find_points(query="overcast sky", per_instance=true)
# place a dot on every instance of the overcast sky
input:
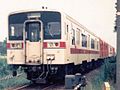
(97, 15)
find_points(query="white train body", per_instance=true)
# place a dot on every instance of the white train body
(64, 52)
(49, 38)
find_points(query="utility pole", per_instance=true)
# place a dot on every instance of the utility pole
(118, 45)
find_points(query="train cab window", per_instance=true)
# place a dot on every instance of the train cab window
(84, 40)
(16, 32)
(51, 21)
(52, 30)
(33, 31)
(92, 43)
(52, 25)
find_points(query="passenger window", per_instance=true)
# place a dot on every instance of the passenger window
(67, 32)
(92, 43)
(73, 37)
(67, 28)
(84, 40)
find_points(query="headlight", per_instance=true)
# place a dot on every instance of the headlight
(14, 45)
(19, 45)
(50, 57)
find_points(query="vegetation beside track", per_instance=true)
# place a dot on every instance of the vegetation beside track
(106, 73)
(5, 70)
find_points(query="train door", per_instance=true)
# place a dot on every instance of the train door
(33, 42)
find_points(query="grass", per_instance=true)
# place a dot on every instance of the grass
(98, 80)
(16, 81)
(4, 67)
(107, 73)
(4, 71)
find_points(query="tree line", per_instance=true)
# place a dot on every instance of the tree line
(3, 49)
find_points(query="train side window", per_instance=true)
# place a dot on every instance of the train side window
(67, 31)
(67, 28)
(84, 40)
(73, 37)
(92, 43)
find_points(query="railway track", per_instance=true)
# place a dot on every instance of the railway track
(57, 86)
(9, 82)
(10, 77)
(19, 87)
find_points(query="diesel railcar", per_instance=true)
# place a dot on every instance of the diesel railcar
(50, 44)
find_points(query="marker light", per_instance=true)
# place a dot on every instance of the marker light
(14, 45)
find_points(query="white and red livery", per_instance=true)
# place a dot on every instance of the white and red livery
(48, 42)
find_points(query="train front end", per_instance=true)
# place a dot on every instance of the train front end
(35, 42)
(25, 40)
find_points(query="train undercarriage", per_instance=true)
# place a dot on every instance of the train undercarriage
(53, 73)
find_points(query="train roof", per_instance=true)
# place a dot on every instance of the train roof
(67, 16)
(33, 10)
